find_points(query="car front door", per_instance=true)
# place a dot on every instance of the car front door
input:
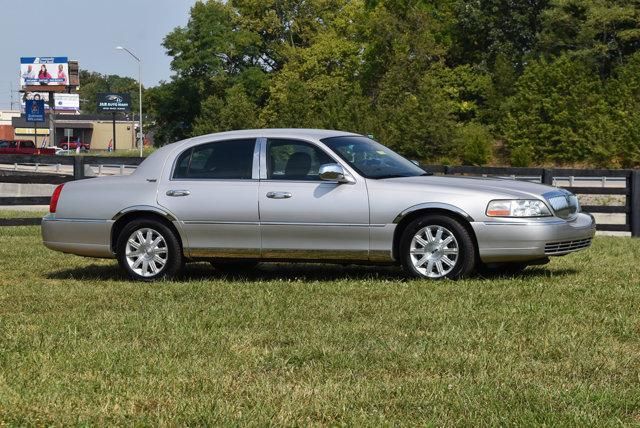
(302, 216)
(213, 191)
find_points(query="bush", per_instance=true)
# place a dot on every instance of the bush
(474, 143)
(521, 156)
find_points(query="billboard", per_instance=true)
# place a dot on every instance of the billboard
(66, 102)
(35, 96)
(44, 70)
(34, 110)
(111, 102)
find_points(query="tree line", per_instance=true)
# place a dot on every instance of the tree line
(518, 82)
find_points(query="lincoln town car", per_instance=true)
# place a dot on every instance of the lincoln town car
(239, 198)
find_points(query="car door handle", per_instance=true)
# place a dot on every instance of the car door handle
(178, 193)
(279, 195)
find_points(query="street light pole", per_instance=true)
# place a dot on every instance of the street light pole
(141, 140)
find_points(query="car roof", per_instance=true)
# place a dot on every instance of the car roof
(277, 132)
(154, 162)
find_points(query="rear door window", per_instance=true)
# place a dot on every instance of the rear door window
(228, 160)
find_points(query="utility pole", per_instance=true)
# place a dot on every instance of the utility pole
(11, 91)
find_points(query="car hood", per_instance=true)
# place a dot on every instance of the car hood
(466, 185)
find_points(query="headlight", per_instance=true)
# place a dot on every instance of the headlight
(518, 208)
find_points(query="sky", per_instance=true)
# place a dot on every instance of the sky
(89, 31)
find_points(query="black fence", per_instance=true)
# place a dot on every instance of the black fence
(630, 193)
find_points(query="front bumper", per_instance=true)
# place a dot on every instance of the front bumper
(77, 236)
(527, 239)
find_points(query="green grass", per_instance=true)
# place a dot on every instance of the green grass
(313, 345)
(22, 214)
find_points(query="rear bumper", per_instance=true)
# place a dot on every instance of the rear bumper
(78, 236)
(503, 241)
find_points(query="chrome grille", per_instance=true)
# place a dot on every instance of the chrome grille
(563, 247)
(564, 204)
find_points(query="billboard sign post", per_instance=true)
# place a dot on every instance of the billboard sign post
(113, 103)
(34, 112)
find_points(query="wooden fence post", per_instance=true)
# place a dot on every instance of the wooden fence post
(634, 214)
(78, 167)
(547, 177)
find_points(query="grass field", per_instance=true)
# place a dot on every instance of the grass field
(309, 345)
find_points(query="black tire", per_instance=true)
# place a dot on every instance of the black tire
(234, 266)
(465, 262)
(170, 244)
(64, 147)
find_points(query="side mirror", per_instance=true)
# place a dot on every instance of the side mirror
(333, 172)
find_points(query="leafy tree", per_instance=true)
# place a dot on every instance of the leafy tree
(235, 111)
(484, 30)
(623, 93)
(173, 106)
(600, 32)
(552, 81)
(475, 144)
(92, 83)
(557, 111)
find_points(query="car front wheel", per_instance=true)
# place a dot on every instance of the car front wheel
(435, 246)
(148, 250)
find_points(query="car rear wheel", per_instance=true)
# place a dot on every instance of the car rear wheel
(148, 250)
(435, 246)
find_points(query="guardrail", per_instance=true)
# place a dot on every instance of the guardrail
(630, 192)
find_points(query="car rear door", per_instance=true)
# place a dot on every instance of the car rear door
(212, 188)
(302, 216)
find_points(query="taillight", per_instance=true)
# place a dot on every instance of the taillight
(54, 198)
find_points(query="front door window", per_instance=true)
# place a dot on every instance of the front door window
(294, 160)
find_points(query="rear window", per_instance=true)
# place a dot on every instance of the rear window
(230, 160)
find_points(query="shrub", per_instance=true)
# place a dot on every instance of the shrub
(474, 143)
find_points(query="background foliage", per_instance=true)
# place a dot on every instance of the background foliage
(473, 81)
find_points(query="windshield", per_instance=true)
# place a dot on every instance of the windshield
(372, 159)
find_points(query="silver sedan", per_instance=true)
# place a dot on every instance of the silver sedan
(242, 197)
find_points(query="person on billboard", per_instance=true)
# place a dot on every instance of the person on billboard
(28, 74)
(43, 75)
(62, 75)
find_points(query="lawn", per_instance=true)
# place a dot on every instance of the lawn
(312, 345)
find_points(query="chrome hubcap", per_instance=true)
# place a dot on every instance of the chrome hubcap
(146, 252)
(434, 251)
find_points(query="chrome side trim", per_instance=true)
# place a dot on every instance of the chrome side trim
(279, 223)
(305, 254)
(432, 205)
(224, 253)
(153, 209)
(248, 223)
(77, 220)
(523, 223)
